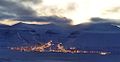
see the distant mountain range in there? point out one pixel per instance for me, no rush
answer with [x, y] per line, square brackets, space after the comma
[97, 35]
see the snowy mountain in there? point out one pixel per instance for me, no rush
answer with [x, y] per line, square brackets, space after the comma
[93, 35]
[27, 33]
[96, 35]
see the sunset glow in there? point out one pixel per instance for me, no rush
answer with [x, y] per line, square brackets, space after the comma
[11, 22]
[80, 11]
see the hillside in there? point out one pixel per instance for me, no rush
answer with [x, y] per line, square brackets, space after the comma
[93, 35]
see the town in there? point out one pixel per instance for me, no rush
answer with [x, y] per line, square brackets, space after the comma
[59, 48]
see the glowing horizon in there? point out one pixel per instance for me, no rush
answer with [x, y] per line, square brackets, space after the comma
[11, 22]
[80, 11]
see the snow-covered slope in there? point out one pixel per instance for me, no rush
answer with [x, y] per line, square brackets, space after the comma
[27, 33]
[97, 35]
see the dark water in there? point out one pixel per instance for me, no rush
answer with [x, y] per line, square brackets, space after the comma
[15, 56]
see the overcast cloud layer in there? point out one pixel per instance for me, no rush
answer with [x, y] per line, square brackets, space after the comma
[27, 10]
[16, 10]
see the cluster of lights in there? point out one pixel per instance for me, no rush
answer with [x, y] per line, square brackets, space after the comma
[60, 49]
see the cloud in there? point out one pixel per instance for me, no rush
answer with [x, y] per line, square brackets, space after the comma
[29, 1]
[105, 20]
[52, 19]
[60, 8]
[20, 10]
[37, 20]
[12, 9]
[114, 9]
[57, 11]
[112, 13]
